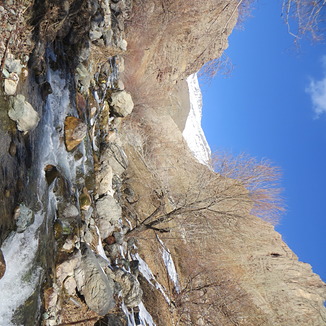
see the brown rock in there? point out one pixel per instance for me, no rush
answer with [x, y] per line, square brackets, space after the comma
[12, 149]
[75, 132]
[110, 240]
[85, 200]
[2, 265]
[80, 104]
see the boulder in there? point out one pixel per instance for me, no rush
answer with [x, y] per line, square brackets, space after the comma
[11, 83]
[70, 285]
[70, 211]
[109, 213]
[67, 269]
[121, 103]
[83, 77]
[23, 113]
[96, 287]
[85, 200]
[130, 288]
[2, 264]
[114, 155]
[104, 179]
[24, 217]
[113, 251]
[75, 132]
[65, 273]
[123, 45]
[13, 65]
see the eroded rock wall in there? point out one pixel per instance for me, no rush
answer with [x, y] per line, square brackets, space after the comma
[174, 42]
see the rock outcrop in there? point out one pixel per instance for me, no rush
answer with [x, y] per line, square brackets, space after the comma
[93, 284]
[168, 41]
[109, 213]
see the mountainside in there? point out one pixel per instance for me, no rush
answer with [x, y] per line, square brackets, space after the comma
[193, 133]
[108, 216]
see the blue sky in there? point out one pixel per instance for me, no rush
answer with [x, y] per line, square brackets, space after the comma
[267, 108]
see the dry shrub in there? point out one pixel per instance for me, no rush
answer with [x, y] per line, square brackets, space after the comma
[261, 178]
[211, 295]
[177, 18]
[241, 185]
[222, 66]
[15, 33]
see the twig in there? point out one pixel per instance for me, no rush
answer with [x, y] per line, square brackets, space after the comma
[79, 321]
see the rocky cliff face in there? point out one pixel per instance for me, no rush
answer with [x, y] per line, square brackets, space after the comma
[107, 218]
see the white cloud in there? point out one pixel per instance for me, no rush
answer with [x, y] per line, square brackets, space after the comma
[317, 91]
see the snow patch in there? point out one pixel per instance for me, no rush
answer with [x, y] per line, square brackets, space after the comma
[21, 276]
[147, 273]
[99, 247]
[169, 264]
[145, 316]
[130, 315]
[193, 132]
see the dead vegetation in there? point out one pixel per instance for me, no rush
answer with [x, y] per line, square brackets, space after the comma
[260, 177]
[212, 295]
[15, 32]
[241, 185]
[305, 18]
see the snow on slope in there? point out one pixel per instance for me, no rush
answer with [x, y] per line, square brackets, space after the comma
[193, 132]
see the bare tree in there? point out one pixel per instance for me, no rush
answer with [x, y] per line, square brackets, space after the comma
[304, 17]
[260, 177]
[212, 296]
[240, 185]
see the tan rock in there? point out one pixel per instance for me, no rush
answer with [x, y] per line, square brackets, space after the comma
[122, 103]
[10, 86]
[109, 213]
[104, 179]
[23, 113]
[75, 132]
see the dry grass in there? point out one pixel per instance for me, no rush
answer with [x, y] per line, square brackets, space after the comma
[212, 295]
[15, 33]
